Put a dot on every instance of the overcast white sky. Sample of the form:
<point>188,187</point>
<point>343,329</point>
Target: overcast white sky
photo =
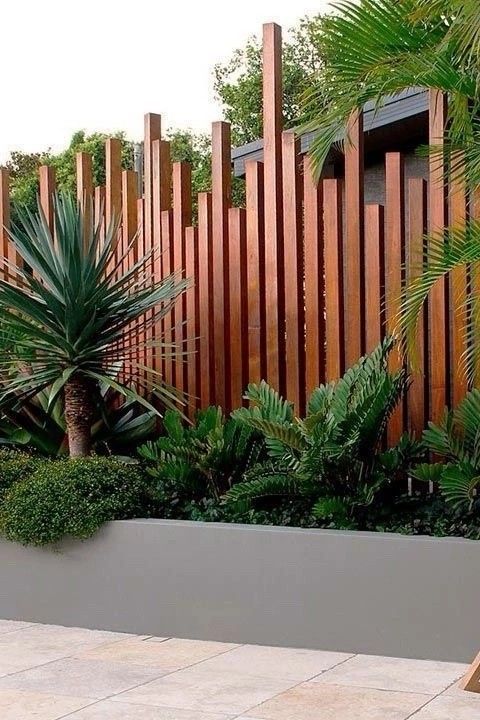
<point>101,64</point>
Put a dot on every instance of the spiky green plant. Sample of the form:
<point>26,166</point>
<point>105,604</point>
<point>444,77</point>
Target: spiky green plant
<point>334,455</point>
<point>71,307</point>
<point>457,440</point>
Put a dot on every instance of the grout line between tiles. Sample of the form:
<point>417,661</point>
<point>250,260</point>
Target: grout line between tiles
<point>415,712</point>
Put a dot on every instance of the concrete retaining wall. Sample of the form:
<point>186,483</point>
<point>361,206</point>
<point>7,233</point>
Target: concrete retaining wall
<point>333,590</point>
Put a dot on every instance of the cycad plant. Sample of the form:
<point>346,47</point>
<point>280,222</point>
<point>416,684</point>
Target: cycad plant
<point>375,48</point>
<point>457,440</point>
<point>71,310</point>
<point>334,456</point>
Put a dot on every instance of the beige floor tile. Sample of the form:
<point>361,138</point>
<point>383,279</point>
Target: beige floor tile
<point>15,658</point>
<point>317,701</point>
<point>447,707</point>
<point>62,641</point>
<point>202,689</point>
<point>15,705</point>
<point>108,710</point>
<point>455,691</point>
<point>384,673</point>
<point>169,656</point>
<point>87,678</point>
<point>275,662</point>
<point>7,626</point>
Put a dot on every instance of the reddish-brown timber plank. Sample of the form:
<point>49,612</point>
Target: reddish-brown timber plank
<point>374,274</point>
<point>314,278</point>
<point>417,399</point>
<point>167,322</point>
<point>221,194</point>
<point>458,294</point>
<point>394,262</point>
<point>192,325</point>
<point>85,188</point>
<point>475,285</point>
<point>161,200</point>
<point>141,355</point>
<point>5,219</point>
<point>47,192</point>
<point>99,207</point>
<point>238,306</point>
<point>205,298</point>
<point>274,253</point>
<point>354,240</point>
<point>113,189</point>
<point>333,268</point>
<point>152,132</point>
<point>129,231</point>
<point>438,334</point>
<point>255,270</point>
<point>293,271</point>
<point>182,218</point>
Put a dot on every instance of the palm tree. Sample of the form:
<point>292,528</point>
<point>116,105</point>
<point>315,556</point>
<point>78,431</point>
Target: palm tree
<point>375,48</point>
<point>72,311</point>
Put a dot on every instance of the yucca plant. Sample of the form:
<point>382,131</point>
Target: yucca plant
<point>457,440</point>
<point>72,310</point>
<point>333,456</point>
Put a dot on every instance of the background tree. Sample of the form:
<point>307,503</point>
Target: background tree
<point>238,82</point>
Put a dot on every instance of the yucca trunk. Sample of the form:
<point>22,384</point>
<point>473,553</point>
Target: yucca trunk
<point>79,409</point>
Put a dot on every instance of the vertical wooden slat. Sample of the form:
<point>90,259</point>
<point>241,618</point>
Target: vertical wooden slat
<point>333,259</point>
<point>374,275</point>
<point>167,267</point>
<point>417,227</point>
<point>272,157</point>
<point>221,194</point>
<point>47,191</point>
<point>255,270</point>
<point>394,261</point>
<point>314,279</point>
<point>354,241</point>
<point>438,340</point>
<point>85,188</point>
<point>182,218</point>
<point>129,230</point>
<point>205,294</point>
<point>237,306</point>
<point>458,294</point>
<point>192,325</point>
<point>293,271</point>
<point>99,206</point>
<point>140,355</point>
<point>161,200</point>
<point>113,189</point>
<point>475,286</point>
<point>4,220</point>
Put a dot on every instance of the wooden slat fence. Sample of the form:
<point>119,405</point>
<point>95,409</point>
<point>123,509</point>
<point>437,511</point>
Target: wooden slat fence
<point>294,287</point>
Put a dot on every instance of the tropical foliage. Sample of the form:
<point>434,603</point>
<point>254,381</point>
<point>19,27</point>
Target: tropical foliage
<point>70,312</point>
<point>334,455</point>
<point>457,440</point>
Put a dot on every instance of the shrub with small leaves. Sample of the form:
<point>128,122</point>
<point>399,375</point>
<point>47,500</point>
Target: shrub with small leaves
<point>15,466</point>
<point>72,498</point>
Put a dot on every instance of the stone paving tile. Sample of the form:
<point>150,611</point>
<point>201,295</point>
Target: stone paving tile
<point>87,678</point>
<point>7,626</point>
<point>275,662</point>
<point>169,655</point>
<point>108,710</point>
<point>318,701</point>
<point>455,691</point>
<point>385,673</point>
<point>16,705</point>
<point>199,688</point>
<point>447,707</point>
<point>63,641</point>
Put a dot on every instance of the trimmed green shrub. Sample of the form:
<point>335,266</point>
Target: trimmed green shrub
<point>15,466</point>
<point>71,498</point>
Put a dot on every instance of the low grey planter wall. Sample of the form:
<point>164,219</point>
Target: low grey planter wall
<point>360,592</point>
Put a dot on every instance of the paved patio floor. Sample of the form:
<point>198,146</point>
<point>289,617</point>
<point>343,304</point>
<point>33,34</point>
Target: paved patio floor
<point>49,672</point>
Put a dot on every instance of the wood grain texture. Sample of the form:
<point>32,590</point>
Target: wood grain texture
<point>374,275</point>
<point>314,278</point>
<point>293,272</point>
<point>182,218</point>
<point>237,306</point>
<point>438,313</point>
<point>167,325</point>
<point>221,196</point>
<point>85,186</point>
<point>192,324</point>
<point>255,271</point>
<point>47,189</point>
<point>205,292</point>
<point>417,227</point>
<point>354,240</point>
<point>129,232</point>
<point>333,259</point>
<point>4,220</point>
<point>272,158</point>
